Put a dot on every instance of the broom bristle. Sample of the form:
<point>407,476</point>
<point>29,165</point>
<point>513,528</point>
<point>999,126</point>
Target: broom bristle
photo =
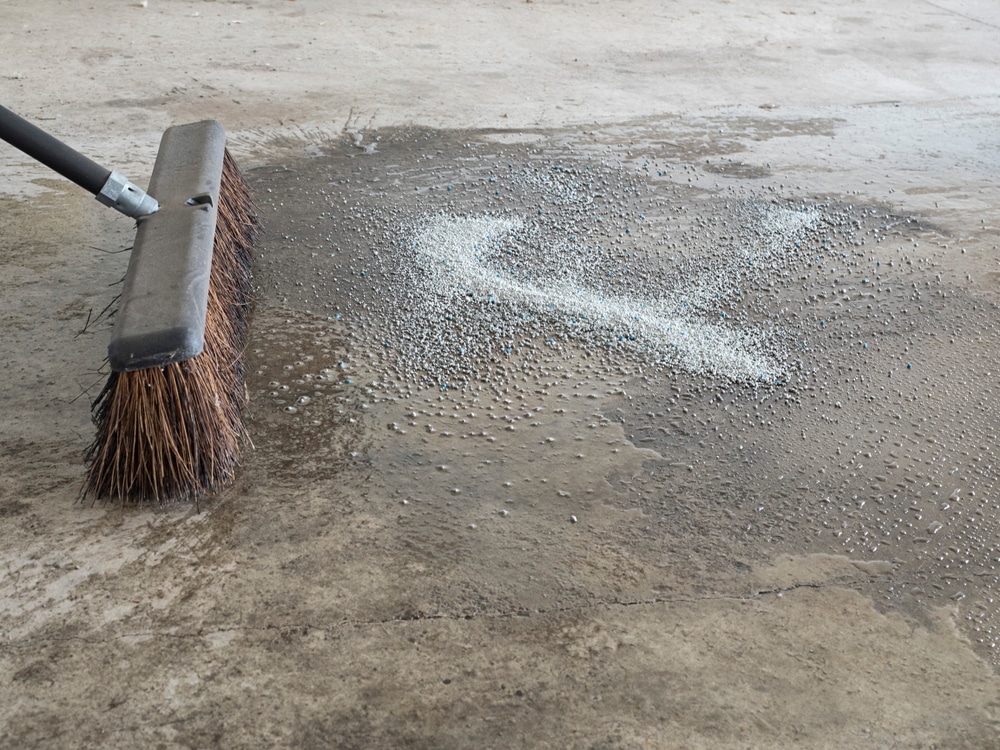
<point>178,431</point>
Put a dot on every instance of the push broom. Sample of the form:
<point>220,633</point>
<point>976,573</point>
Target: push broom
<point>169,419</point>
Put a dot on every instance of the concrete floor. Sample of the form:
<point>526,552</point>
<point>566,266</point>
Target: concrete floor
<point>681,587</point>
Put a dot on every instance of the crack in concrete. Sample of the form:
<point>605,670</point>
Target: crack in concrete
<point>962,15</point>
<point>525,613</point>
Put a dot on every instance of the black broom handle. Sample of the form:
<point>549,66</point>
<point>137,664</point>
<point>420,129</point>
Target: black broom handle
<point>52,152</point>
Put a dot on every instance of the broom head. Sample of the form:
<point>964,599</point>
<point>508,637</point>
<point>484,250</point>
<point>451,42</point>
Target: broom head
<point>169,420</point>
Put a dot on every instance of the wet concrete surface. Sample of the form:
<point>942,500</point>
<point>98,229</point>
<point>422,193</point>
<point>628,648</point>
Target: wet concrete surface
<point>854,304</point>
<point>660,427</point>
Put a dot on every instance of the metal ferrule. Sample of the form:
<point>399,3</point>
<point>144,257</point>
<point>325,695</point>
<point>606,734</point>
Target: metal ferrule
<point>126,197</point>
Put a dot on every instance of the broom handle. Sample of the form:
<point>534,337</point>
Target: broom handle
<point>52,152</point>
<point>111,188</point>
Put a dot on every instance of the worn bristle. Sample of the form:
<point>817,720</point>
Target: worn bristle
<point>178,431</point>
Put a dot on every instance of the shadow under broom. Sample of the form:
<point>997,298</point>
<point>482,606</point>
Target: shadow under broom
<point>169,419</point>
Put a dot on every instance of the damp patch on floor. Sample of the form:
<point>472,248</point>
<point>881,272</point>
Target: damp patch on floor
<point>806,375</point>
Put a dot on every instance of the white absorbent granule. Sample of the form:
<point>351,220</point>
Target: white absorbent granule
<point>463,258</point>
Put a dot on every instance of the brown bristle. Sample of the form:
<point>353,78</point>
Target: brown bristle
<point>178,431</point>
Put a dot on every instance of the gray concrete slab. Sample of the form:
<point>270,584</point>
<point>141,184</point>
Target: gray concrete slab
<point>587,539</point>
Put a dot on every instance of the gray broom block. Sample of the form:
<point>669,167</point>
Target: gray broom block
<point>161,314</point>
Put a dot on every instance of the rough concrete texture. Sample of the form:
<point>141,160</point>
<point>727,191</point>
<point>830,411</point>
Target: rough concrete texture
<point>572,545</point>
